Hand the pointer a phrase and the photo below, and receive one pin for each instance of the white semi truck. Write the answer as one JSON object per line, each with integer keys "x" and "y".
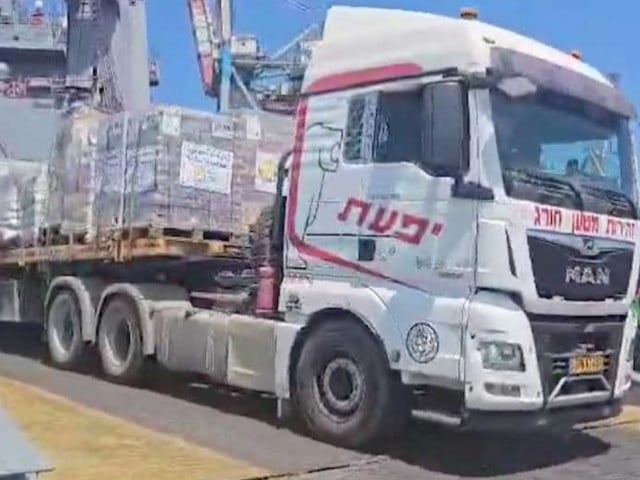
{"x": 455, "y": 236}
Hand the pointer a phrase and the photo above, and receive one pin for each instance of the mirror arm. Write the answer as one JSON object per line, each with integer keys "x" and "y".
{"x": 471, "y": 190}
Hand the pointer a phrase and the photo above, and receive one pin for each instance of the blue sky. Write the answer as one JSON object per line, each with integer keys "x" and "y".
{"x": 607, "y": 35}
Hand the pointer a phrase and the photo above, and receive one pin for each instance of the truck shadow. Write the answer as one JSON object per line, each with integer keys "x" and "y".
{"x": 427, "y": 447}
{"x": 481, "y": 455}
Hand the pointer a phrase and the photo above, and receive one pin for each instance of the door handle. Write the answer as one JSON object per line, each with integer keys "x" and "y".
{"x": 366, "y": 249}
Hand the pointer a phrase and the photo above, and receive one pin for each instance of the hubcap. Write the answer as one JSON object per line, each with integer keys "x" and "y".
{"x": 340, "y": 387}
{"x": 119, "y": 339}
{"x": 62, "y": 324}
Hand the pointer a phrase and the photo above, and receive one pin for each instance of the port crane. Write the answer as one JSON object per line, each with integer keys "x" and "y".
{"x": 237, "y": 72}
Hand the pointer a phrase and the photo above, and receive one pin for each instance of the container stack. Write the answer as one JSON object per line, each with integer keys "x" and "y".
{"x": 181, "y": 171}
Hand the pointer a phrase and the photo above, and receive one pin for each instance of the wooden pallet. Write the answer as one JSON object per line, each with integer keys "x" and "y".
{"x": 109, "y": 248}
{"x": 56, "y": 235}
{"x": 165, "y": 232}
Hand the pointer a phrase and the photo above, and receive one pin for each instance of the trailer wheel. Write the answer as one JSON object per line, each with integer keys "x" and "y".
{"x": 120, "y": 341}
{"x": 64, "y": 331}
{"x": 344, "y": 387}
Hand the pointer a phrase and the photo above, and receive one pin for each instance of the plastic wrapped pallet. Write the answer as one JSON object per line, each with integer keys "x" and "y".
{"x": 261, "y": 139}
{"x": 176, "y": 169}
{"x": 34, "y": 206}
{"x": 184, "y": 170}
{"x": 71, "y": 185}
{"x": 15, "y": 176}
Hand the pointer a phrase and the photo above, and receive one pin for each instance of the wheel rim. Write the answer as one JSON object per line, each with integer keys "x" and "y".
{"x": 119, "y": 338}
{"x": 339, "y": 388}
{"x": 62, "y": 325}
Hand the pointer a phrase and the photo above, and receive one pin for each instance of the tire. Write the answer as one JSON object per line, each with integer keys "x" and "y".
{"x": 64, "y": 331}
{"x": 120, "y": 341}
{"x": 344, "y": 390}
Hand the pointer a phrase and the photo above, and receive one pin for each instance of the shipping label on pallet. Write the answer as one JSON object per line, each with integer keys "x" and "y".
{"x": 206, "y": 168}
{"x": 171, "y": 123}
{"x": 266, "y": 171}
{"x": 222, "y": 127}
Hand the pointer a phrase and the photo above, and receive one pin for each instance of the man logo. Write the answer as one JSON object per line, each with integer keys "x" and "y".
{"x": 589, "y": 248}
{"x": 587, "y": 275}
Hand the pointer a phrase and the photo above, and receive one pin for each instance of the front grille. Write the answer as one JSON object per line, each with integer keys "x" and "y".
{"x": 559, "y": 338}
{"x": 579, "y": 268}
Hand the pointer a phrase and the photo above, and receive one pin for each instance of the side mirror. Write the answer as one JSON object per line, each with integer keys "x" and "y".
{"x": 471, "y": 190}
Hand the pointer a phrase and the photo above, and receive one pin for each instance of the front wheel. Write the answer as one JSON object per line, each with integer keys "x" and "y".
{"x": 344, "y": 388}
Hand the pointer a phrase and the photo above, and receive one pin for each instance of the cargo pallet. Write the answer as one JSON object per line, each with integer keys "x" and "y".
{"x": 121, "y": 245}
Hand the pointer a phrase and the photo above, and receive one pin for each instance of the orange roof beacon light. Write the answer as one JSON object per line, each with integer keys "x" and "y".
{"x": 469, "y": 13}
{"x": 576, "y": 54}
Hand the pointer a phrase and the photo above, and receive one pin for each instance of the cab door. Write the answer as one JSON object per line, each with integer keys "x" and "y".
{"x": 420, "y": 229}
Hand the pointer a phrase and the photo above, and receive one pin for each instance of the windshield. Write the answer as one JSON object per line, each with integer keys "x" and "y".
{"x": 559, "y": 150}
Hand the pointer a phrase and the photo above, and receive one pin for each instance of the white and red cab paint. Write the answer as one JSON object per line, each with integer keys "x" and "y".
{"x": 460, "y": 264}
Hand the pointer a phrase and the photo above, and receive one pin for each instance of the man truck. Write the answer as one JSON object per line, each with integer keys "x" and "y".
{"x": 454, "y": 237}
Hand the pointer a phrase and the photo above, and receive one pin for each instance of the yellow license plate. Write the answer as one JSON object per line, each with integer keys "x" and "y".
{"x": 586, "y": 365}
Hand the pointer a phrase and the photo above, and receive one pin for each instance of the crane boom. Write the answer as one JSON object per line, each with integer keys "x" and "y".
{"x": 205, "y": 33}
{"x": 235, "y": 70}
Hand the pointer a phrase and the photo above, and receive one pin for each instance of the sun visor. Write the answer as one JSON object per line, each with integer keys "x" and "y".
{"x": 547, "y": 75}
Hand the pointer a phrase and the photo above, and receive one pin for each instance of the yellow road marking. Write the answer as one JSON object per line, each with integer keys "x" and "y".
{"x": 628, "y": 418}
{"x": 87, "y": 444}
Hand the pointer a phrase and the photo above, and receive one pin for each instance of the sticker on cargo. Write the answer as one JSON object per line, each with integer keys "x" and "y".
{"x": 206, "y": 168}
{"x": 222, "y": 127}
{"x": 266, "y": 172}
{"x": 171, "y": 124}
{"x": 254, "y": 130}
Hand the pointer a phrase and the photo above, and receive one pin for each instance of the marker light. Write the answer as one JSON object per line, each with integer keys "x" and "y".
{"x": 576, "y": 54}
{"x": 469, "y": 13}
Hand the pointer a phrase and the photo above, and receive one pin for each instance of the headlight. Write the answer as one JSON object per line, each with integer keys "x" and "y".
{"x": 501, "y": 356}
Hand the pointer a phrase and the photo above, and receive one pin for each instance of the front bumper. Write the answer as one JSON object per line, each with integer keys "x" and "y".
{"x": 485, "y": 421}
{"x": 545, "y": 386}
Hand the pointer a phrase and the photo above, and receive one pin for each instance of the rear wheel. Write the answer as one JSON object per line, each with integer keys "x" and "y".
{"x": 120, "y": 341}
{"x": 64, "y": 331}
{"x": 344, "y": 387}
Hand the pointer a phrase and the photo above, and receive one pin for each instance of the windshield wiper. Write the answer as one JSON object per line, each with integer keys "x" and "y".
{"x": 613, "y": 197}
{"x": 537, "y": 178}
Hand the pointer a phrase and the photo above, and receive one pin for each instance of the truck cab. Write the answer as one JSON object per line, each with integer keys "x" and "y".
{"x": 466, "y": 198}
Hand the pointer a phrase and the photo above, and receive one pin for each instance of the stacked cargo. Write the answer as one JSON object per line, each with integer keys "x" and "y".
{"x": 260, "y": 141}
{"x": 15, "y": 176}
{"x": 34, "y": 210}
{"x": 187, "y": 172}
{"x": 71, "y": 175}
{"x": 173, "y": 171}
